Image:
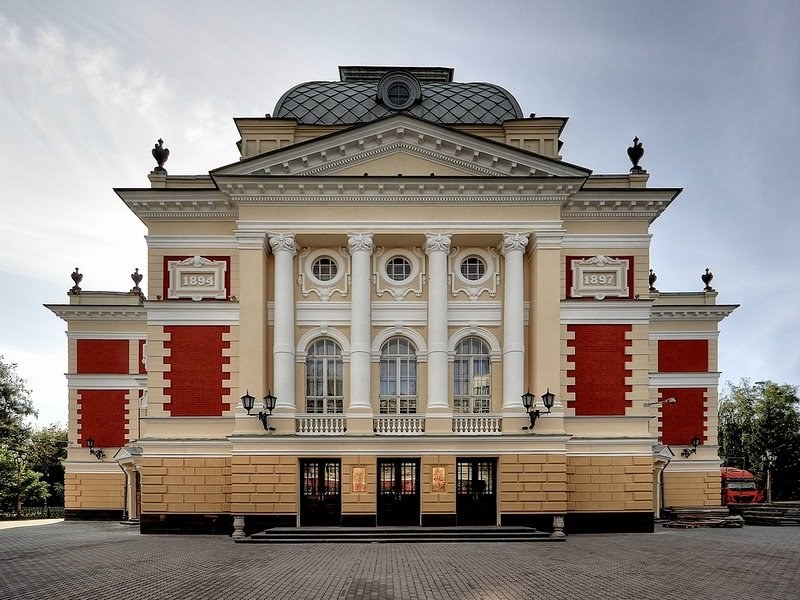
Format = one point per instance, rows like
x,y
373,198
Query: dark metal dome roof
x,y
351,102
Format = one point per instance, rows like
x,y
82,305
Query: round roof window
x,y
399,90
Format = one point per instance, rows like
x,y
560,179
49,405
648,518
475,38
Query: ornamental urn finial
x,y
635,153
161,155
707,277
137,279
77,277
652,279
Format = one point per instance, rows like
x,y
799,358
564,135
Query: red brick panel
x,y
102,417
599,368
196,381
683,356
684,419
103,356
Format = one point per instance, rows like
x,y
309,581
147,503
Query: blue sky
x,y
711,88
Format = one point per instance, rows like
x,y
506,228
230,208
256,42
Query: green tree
x,y
15,405
759,424
47,448
19,485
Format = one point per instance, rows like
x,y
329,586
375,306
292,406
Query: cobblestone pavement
x,y
109,561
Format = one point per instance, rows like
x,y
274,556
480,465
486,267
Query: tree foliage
x,y
759,420
30,459
15,405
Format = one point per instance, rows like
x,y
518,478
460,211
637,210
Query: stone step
x,y
306,535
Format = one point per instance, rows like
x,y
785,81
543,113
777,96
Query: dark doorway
x,y
398,491
320,492
476,491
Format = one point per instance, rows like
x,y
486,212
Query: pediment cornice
x,y
468,153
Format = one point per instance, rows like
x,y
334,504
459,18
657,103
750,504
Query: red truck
x,y
739,487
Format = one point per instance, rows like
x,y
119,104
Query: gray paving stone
x,y
109,561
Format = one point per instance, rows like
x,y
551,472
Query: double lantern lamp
x,y
249,401
98,454
529,400
687,452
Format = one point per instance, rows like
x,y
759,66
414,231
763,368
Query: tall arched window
x,y
324,377
398,377
471,377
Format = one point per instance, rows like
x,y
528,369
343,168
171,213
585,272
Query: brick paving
x,y
110,561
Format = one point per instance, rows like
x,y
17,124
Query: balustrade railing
x,y
321,424
477,424
399,424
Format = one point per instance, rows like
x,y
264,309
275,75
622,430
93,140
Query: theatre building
x,y
394,268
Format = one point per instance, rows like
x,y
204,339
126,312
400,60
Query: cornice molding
x,y
191,241
602,241
681,380
86,381
107,335
605,312
683,335
85,312
712,312
192,313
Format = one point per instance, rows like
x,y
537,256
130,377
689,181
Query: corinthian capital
x,y
514,242
358,242
437,242
283,242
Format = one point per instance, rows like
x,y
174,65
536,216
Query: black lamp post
x,y
98,454
528,400
687,452
249,401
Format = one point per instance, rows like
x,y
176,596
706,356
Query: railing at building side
x,y
477,424
321,424
399,424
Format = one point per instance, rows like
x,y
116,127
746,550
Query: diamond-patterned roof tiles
x,y
341,103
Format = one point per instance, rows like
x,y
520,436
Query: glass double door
x,y
398,491
476,491
320,492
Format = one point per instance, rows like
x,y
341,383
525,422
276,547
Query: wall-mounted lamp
x,y
248,402
528,400
662,401
98,454
687,452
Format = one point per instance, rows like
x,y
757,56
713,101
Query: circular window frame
x,y
312,258
399,78
332,261
479,259
488,262
398,253
398,257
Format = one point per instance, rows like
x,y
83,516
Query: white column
x,y
513,322
437,247
284,250
360,246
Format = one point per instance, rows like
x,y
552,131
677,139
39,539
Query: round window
x,y
324,268
398,90
398,268
473,268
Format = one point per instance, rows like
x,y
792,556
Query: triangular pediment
x,y
401,145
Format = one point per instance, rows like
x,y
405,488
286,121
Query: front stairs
x,y
382,535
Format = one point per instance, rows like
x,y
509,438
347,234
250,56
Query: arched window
x,y
398,377
324,377
471,377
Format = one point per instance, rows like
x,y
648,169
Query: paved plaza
x,y
108,561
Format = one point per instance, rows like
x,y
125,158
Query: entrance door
x,y
320,492
398,491
476,491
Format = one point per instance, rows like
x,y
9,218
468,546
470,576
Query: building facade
x,y
395,260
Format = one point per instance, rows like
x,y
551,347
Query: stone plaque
x,y
438,479
359,482
197,278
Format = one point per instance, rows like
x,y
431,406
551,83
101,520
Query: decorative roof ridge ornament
x,y
707,277
77,277
635,153
137,279
161,155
